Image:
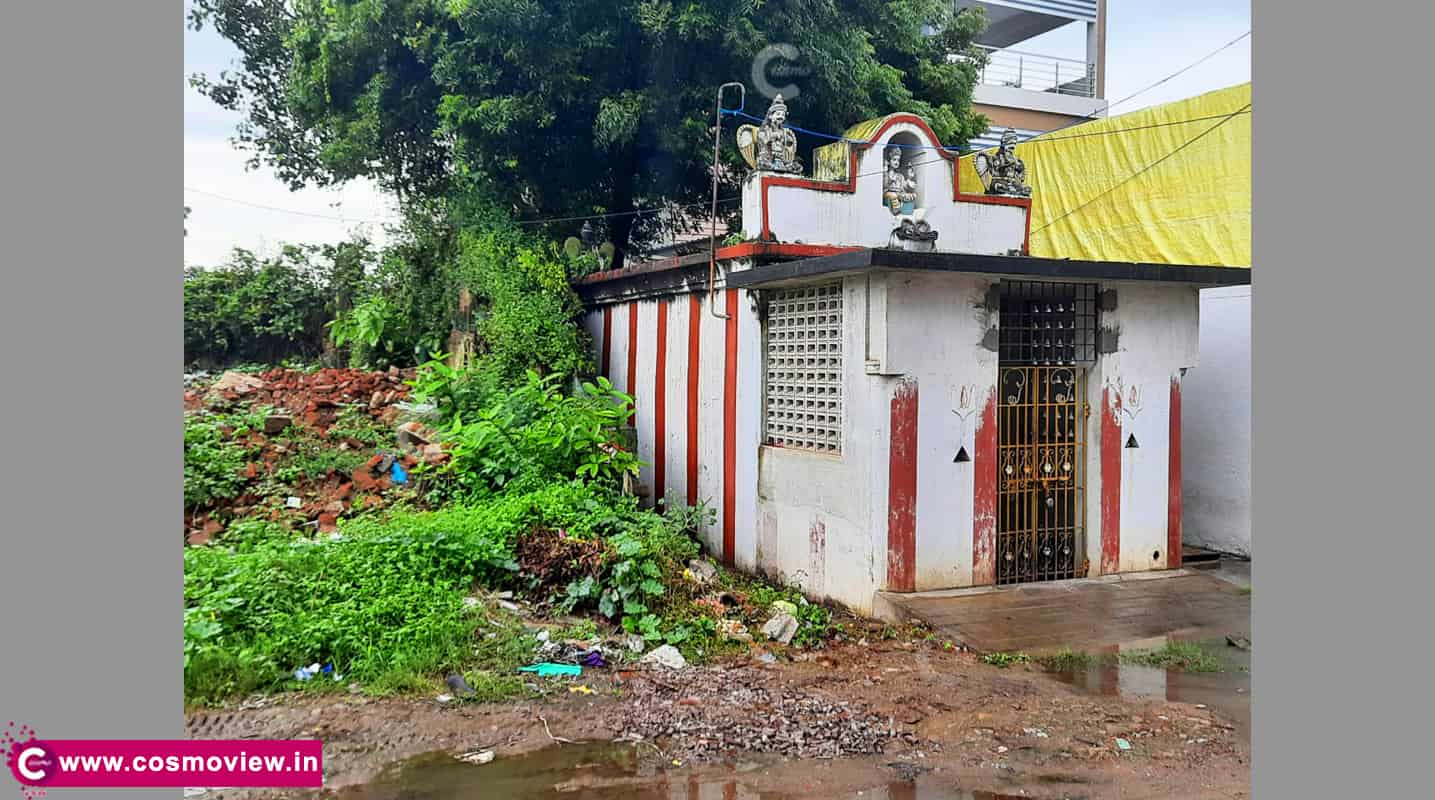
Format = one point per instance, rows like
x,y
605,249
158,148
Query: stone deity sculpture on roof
x,y
1002,172
771,146
899,183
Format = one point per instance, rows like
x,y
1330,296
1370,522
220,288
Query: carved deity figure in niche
x,y
1002,172
771,146
899,183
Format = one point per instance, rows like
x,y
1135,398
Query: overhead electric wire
x,y
655,209
281,210
739,113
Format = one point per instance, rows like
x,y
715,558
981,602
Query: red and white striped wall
x,y
894,510
696,382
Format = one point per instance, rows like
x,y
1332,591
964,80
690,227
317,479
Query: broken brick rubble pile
x,y
313,398
310,402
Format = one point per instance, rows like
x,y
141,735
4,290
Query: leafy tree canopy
x,y
566,107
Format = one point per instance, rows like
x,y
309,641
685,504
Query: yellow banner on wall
x,y
1169,184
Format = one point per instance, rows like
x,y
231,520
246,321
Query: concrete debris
x,y
782,627
733,630
239,383
702,571
413,436
665,656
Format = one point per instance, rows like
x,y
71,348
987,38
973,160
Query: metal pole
x,y
717,144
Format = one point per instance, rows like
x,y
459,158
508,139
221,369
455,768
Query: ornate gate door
x,y
1047,337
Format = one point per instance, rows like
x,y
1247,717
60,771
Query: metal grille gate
x,y
1047,339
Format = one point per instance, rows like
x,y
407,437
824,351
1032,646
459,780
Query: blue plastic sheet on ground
x,y
548,669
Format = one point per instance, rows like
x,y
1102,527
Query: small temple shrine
x,y
880,391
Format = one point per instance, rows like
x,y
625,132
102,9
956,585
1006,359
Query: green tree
x,y
565,107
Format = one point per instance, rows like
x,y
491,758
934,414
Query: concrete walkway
x,y
1087,614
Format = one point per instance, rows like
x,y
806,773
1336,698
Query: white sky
x,y
1145,41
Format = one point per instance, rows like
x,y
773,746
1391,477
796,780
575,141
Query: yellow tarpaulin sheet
x,y
1193,207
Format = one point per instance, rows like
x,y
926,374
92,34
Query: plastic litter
x,y
398,475
305,673
783,605
594,658
548,669
293,502
476,757
580,690
1122,744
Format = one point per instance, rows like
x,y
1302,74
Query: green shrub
x,y
383,602
255,309
354,422
534,434
528,312
213,459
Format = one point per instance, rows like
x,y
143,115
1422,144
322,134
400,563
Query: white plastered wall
x,y
822,518
1216,426
813,216
1158,334
935,330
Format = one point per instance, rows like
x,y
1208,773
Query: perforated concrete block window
x,y
803,391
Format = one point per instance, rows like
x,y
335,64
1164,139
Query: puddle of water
x,y
1228,691
607,772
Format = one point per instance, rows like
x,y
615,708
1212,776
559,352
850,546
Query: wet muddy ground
x,y
935,723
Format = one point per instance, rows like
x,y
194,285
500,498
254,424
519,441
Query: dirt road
x,y
836,722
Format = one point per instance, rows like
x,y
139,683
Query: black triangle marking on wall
x,y
962,456
1131,441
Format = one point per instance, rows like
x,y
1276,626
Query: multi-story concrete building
x,y
1032,91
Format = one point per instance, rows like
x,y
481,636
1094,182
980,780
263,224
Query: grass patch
x,y
494,687
1067,660
1005,660
1187,656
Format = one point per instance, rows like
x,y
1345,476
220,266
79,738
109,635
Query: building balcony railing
x,y
1038,73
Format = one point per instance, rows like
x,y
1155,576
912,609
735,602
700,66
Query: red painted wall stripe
x,y
695,317
984,495
729,429
605,360
660,405
1110,481
633,355
902,490
1173,503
